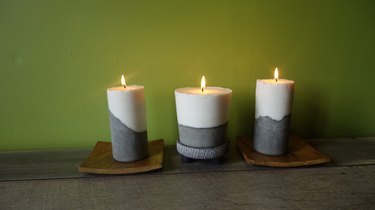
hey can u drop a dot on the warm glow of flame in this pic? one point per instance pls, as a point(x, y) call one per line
point(123, 83)
point(203, 83)
point(276, 74)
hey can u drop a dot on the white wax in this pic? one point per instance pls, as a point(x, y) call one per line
point(273, 99)
point(203, 110)
point(128, 105)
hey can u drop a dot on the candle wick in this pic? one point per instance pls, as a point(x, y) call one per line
point(124, 86)
point(276, 79)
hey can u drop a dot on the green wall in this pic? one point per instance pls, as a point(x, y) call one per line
point(58, 57)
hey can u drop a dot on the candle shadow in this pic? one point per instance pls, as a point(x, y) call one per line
point(308, 115)
point(241, 121)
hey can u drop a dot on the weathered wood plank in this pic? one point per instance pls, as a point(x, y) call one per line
point(350, 187)
point(64, 163)
point(41, 164)
point(347, 151)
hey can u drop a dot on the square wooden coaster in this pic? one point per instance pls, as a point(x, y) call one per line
point(100, 160)
point(300, 154)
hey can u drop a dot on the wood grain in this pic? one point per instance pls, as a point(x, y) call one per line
point(100, 160)
point(63, 163)
point(50, 180)
point(349, 187)
point(300, 154)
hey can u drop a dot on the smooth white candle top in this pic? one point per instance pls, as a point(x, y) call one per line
point(274, 99)
point(203, 109)
point(207, 91)
point(128, 88)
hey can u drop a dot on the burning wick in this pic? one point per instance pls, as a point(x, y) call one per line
point(203, 83)
point(123, 81)
point(276, 74)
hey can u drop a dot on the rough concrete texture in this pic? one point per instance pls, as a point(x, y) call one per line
point(271, 136)
point(202, 137)
point(127, 145)
point(203, 153)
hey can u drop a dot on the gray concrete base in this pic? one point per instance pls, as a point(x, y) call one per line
point(202, 137)
point(271, 136)
point(203, 153)
point(127, 145)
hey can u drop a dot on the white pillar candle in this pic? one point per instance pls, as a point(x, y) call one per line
point(273, 99)
point(272, 114)
point(128, 105)
point(203, 110)
point(202, 115)
point(128, 122)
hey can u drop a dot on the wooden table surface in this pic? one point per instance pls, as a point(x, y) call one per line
point(50, 180)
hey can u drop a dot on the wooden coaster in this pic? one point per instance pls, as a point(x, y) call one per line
point(100, 160)
point(300, 154)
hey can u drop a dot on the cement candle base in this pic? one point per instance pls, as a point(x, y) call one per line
point(203, 153)
point(202, 137)
point(271, 136)
point(127, 145)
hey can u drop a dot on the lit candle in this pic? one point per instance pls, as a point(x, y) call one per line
point(272, 115)
point(202, 115)
point(128, 122)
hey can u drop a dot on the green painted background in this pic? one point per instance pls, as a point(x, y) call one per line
point(58, 57)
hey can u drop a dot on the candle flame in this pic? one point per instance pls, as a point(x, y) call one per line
point(276, 74)
point(123, 81)
point(203, 83)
